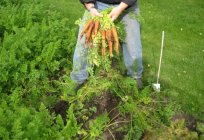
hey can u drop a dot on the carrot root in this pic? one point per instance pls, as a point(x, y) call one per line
point(86, 27)
point(89, 33)
point(116, 40)
point(103, 36)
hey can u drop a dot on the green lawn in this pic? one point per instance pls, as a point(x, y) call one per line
point(183, 67)
point(182, 71)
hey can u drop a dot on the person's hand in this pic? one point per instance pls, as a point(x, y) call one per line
point(90, 7)
point(114, 14)
point(94, 12)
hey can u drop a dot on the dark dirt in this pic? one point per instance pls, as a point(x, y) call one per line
point(190, 124)
point(190, 120)
point(106, 102)
point(58, 75)
point(60, 108)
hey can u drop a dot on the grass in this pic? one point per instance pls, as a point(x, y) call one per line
point(71, 9)
point(183, 66)
point(182, 71)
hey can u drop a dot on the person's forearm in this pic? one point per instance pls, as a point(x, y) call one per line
point(115, 13)
point(122, 6)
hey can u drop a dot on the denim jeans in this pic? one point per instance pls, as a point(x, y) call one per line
point(132, 48)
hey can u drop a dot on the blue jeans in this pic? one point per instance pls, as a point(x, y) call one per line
point(132, 48)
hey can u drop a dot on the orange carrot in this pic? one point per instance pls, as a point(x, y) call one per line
point(103, 36)
point(97, 26)
point(89, 33)
point(110, 43)
point(88, 24)
point(115, 38)
point(107, 35)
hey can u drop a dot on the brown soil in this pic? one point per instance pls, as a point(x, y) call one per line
point(190, 124)
point(106, 102)
point(60, 108)
point(190, 120)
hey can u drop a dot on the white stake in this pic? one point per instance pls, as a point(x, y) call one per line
point(156, 86)
point(162, 46)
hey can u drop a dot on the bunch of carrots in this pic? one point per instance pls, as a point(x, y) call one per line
point(108, 34)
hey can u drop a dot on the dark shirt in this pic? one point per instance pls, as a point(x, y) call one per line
point(128, 2)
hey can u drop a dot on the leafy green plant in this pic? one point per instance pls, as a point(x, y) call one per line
point(97, 125)
point(36, 46)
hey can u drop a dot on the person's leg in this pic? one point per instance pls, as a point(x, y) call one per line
point(132, 48)
point(79, 73)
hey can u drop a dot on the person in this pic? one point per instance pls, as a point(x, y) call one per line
point(132, 48)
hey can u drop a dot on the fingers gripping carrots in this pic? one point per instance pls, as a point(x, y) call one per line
point(108, 34)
